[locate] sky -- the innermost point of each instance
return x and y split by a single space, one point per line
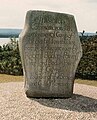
13 12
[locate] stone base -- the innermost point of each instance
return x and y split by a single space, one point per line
34 94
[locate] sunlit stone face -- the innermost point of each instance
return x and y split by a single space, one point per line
50 50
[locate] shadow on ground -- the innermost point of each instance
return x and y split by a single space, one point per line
77 103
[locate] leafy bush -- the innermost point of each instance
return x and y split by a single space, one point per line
87 68
10 62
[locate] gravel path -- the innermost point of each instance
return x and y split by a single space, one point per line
14 105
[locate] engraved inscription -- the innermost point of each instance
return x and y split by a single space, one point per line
50 51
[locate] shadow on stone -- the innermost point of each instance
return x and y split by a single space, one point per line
77 103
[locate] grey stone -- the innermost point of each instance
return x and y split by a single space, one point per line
50 51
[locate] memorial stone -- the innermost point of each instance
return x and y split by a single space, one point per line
50 50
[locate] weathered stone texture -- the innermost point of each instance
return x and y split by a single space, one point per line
50 50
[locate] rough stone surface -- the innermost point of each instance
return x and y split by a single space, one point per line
50 49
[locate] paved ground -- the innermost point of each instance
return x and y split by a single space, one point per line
14 105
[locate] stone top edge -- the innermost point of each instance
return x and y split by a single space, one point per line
54 12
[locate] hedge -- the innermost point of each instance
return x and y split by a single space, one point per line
10 62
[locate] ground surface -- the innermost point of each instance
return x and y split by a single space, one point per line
14 105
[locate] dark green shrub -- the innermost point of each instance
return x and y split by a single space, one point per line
10 62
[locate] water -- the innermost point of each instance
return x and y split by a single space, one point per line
4 41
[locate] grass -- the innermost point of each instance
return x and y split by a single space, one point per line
12 78
87 82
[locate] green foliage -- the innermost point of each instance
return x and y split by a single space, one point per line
10 62
83 33
87 68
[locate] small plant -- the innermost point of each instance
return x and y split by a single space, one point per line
83 33
10 62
